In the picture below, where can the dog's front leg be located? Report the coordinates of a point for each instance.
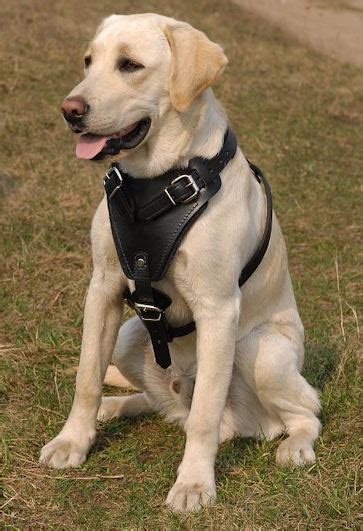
(216, 340)
(102, 319)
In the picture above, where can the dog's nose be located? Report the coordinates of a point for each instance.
(74, 108)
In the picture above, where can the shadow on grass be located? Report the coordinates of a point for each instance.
(234, 451)
(321, 361)
(245, 455)
(114, 430)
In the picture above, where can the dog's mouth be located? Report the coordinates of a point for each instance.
(96, 147)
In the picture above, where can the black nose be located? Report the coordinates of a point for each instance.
(74, 109)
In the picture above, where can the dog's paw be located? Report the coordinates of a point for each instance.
(64, 453)
(109, 408)
(190, 495)
(295, 451)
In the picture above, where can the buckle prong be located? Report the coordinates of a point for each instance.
(169, 196)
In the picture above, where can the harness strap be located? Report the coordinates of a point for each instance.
(185, 188)
(255, 259)
(258, 255)
(113, 184)
(150, 305)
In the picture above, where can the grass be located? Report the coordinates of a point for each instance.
(298, 116)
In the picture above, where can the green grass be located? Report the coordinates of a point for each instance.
(298, 116)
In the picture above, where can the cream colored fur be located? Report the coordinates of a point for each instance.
(114, 378)
(248, 351)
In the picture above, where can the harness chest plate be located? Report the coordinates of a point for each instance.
(150, 216)
(157, 238)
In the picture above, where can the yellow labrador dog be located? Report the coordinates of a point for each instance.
(148, 78)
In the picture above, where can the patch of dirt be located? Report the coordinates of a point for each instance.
(332, 27)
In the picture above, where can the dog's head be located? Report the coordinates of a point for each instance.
(137, 68)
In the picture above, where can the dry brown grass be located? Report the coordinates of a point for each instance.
(298, 116)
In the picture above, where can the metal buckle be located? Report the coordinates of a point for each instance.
(108, 175)
(142, 309)
(191, 182)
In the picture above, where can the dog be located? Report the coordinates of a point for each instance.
(148, 85)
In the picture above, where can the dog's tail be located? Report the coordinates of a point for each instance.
(113, 377)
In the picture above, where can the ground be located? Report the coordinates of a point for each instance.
(333, 27)
(297, 115)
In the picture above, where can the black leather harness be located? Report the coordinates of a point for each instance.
(150, 216)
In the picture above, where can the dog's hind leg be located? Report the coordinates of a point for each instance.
(124, 406)
(270, 359)
(114, 378)
(134, 359)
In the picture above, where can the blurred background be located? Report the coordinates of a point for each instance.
(332, 27)
(293, 94)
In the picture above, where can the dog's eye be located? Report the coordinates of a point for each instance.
(87, 61)
(128, 65)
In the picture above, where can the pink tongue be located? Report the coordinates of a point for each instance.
(89, 146)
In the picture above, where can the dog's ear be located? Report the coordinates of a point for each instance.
(196, 64)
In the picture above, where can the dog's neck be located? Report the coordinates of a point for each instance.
(197, 132)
